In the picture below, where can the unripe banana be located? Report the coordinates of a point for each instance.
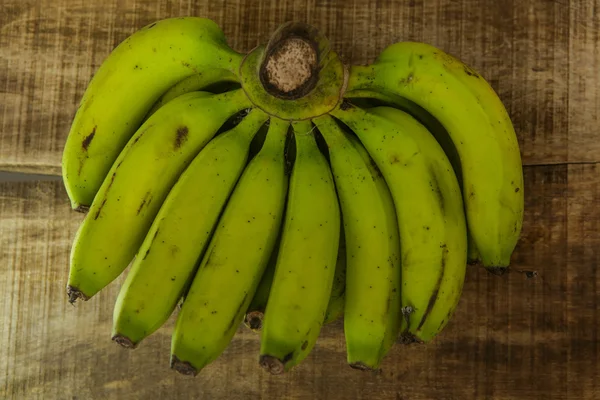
(126, 86)
(306, 262)
(255, 313)
(256, 310)
(480, 128)
(138, 183)
(174, 244)
(235, 259)
(372, 307)
(433, 126)
(429, 209)
(337, 299)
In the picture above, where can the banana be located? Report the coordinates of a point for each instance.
(335, 308)
(429, 209)
(372, 308)
(480, 128)
(179, 233)
(256, 310)
(306, 261)
(235, 259)
(137, 184)
(433, 126)
(203, 81)
(125, 87)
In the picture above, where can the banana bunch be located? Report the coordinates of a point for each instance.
(282, 189)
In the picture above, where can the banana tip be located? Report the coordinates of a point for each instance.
(183, 367)
(254, 320)
(271, 364)
(75, 294)
(81, 208)
(409, 338)
(498, 271)
(363, 367)
(124, 341)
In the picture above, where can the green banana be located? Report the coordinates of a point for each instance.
(126, 86)
(179, 233)
(335, 308)
(256, 310)
(205, 80)
(372, 305)
(306, 261)
(235, 259)
(480, 128)
(433, 126)
(137, 184)
(429, 209)
(337, 298)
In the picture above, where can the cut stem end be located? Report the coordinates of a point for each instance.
(271, 364)
(254, 320)
(183, 367)
(124, 341)
(75, 294)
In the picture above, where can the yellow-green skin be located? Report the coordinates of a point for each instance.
(372, 294)
(306, 261)
(235, 259)
(429, 209)
(126, 86)
(335, 308)
(255, 312)
(337, 298)
(201, 81)
(170, 252)
(480, 128)
(138, 183)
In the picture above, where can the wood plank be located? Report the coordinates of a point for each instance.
(539, 56)
(512, 337)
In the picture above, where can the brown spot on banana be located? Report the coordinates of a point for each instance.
(99, 209)
(435, 187)
(470, 71)
(88, 139)
(145, 202)
(436, 289)
(181, 136)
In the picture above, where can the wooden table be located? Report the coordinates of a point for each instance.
(512, 336)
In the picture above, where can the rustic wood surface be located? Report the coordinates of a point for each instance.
(513, 337)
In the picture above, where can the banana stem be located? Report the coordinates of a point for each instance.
(292, 60)
(361, 77)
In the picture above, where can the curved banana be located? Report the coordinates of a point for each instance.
(205, 80)
(306, 262)
(337, 298)
(433, 126)
(125, 87)
(235, 259)
(173, 245)
(480, 128)
(429, 209)
(372, 308)
(138, 183)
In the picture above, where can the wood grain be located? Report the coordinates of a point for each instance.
(512, 337)
(540, 55)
